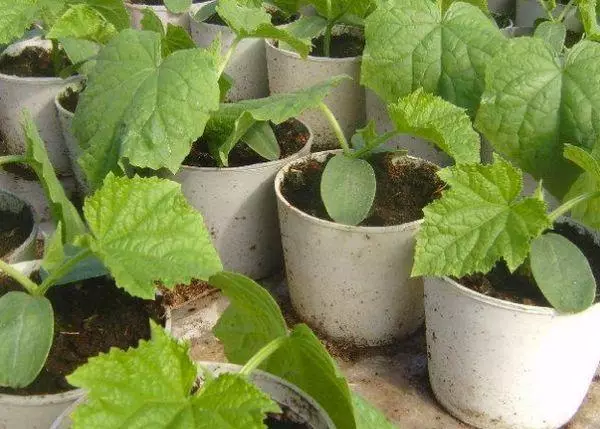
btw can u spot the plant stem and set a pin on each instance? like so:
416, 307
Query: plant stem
56, 57
29, 286
61, 271
572, 203
13, 159
376, 143
262, 355
327, 40
567, 8
225, 60
548, 11
336, 128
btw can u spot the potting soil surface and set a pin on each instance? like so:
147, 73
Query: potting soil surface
14, 229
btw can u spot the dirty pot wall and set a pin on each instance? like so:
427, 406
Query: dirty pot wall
496, 364
239, 209
35, 94
350, 283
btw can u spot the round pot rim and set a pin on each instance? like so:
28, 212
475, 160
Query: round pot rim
254, 167
160, 8
330, 224
59, 106
35, 228
351, 60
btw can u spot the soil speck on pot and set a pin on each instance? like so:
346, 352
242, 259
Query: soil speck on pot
33, 61
90, 317
404, 188
183, 293
14, 230
292, 136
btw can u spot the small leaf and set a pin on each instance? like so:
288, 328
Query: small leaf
151, 22
81, 53
145, 231
431, 118
176, 39
262, 140
348, 188
26, 332
367, 416
479, 220
563, 273
584, 159
178, 6
308, 27
554, 33
113, 11
82, 22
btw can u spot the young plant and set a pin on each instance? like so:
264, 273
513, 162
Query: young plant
443, 47
139, 231
80, 26
348, 185
482, 219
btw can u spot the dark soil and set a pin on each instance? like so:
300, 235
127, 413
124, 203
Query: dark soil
404, 188
14, 230
32, 62
285, 420
342, 46
277, 18
520, 286
182, 294
291, 135
90, 317
69, 99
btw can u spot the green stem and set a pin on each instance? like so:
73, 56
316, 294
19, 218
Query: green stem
376, 143
56, 57
262, 355
63, 270
336, 128
327, 40
229, 54
567, 8
13, 159
548, 11
566, 207
29, 286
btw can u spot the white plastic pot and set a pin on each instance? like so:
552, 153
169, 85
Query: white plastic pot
496, 364
288, 72
300, 404
65, 119
417, 147
35, 94
248, 65
239, 209
501, 6
166, 17
528, 11
39, 411
350, 283
11, 203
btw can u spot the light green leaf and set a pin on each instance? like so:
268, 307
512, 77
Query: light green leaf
584, 159
536, 100
178, 6
144, 231
248, 21
479, 220
481, 4
334, 10
176, 39
151, 22
252, 320
113, 11
62, 209
431, 118
82, 22
587, 212
308, 27
369, 417
411, 44
554, 33
143, 108
26, 332
262, 140
15, 18
81, 52
348, 188
563, 273
588, 11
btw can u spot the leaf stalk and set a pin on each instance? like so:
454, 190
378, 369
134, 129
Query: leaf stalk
23, 280
336, 128
567, 206
63, 270
262, 355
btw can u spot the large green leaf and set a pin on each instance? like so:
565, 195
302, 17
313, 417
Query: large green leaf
143, 108
412, 44
479, 220
348, 188
144, 231
82, 22
113, 11
151, 386
563, 273
588, 211
432, 118
26, 331
178, 6
15, 18
554, 33
248, 21
536, 100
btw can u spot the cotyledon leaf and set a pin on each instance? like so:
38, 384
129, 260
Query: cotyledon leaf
82, 22
587, 212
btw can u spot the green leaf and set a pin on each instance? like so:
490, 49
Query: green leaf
431, 118
26, 332
536, 100
588, 11
247, 22
308, 27
144, 231
15, 18
367, 416
480, 4
176, 39
584, 159
83, 22
113, 11
563, 273
479, 220
333, 10
151, 22
252, 320
412, 44
554, 33
143, 108
80, 52
262, 140
62, 209
178, 6
348, 188
587, 212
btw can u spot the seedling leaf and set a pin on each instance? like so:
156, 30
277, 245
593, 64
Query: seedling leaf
554, 33
587, 212
178, 6
82, 22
